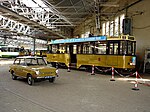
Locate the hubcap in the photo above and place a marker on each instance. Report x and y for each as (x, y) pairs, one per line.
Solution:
(29, 80)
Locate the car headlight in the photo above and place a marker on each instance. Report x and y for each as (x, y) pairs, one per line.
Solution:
(37, 72)
(57, 71)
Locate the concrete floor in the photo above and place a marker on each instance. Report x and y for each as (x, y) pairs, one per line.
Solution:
(75, 91)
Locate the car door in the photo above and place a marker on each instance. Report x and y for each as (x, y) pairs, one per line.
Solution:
(16, 66)
(22, 67)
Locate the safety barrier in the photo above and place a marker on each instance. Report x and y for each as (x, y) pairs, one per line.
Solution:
(57, 69)
(103, 71)
(136, 74)
(112, 76)
(93, 70)
(112, 69)
(68, 70)
(57, 72)
(136, 83)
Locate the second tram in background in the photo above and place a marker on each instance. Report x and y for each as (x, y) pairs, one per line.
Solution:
(100, 51)
(9, 51)
(38, 52)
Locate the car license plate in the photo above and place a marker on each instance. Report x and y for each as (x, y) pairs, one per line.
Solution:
(47, 77)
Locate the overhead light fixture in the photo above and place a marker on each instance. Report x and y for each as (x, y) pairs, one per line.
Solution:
(51, 27)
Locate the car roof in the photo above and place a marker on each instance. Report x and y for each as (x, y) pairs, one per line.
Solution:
(26, 57)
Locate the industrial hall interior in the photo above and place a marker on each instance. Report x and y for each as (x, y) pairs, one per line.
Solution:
(95, 54)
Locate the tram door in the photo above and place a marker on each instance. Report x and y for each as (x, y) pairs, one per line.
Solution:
(113, 51)
(72, 49)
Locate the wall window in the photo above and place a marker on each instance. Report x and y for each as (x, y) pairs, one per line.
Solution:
(121, 22)
(104, 29)
(107, 28)
(111, 28)
(82, 35)
(116, 26)
(87, 34)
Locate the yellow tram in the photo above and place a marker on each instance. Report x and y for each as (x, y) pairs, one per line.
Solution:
(99, 51)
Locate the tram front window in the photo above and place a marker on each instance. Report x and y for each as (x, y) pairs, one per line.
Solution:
(127, 48)
(131, 48)
(123, 47)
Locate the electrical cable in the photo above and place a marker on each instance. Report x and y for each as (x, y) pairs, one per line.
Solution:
(142, 27)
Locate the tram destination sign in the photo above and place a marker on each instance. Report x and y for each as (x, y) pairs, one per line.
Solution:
(76, 40)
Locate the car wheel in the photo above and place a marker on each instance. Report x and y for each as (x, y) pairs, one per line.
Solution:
(14, 77)
(51, 80)
(30, 80)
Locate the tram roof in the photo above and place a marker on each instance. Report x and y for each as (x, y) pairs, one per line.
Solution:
(75, 40)
(92, 39)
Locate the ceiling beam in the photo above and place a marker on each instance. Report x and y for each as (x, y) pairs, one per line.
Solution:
(15, 15)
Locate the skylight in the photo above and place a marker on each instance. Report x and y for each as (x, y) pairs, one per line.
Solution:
(37, 5)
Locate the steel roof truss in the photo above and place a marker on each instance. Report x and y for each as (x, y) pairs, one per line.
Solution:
(14, 26)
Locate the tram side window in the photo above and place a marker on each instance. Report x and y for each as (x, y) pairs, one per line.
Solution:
(62, 49)
(49, 48)
(86, 49)
(4, 49)
(54, 49)
(116, 48)
(10, 50)
(67, 49)
(113, 47)
(16, 49)
(74, 49)
(79, 49)
(100, 48)
(90, 49)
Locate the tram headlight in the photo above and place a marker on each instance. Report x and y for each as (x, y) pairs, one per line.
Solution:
(133, 61)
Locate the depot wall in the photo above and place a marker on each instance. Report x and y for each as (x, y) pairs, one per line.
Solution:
(88, 25)
(140, 26)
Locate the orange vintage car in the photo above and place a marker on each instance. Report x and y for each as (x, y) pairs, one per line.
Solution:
(32, 68)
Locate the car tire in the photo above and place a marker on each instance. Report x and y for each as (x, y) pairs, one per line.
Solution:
(14, 77)
(30, 80)
(51, 80)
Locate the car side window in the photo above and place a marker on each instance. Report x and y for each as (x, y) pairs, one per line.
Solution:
(28, 61)
(41, 62)
(34, 61)
(17, 62)
(31, 61)
(22, 61)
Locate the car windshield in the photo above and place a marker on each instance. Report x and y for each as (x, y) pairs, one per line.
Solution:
(35, 61)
